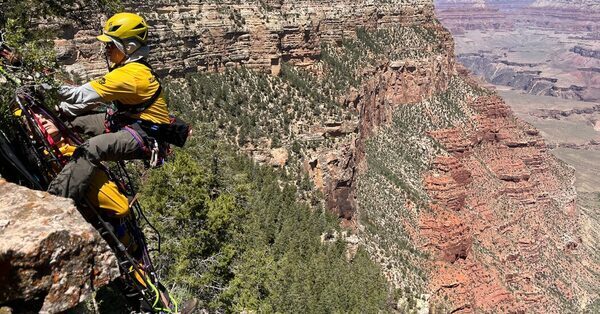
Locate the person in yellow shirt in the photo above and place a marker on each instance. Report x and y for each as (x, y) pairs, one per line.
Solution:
(131, 131)
(139, 127)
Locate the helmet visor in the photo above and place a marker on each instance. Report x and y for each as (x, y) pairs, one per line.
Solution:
(104, 38)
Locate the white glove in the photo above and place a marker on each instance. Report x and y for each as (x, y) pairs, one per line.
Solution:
(73, 110)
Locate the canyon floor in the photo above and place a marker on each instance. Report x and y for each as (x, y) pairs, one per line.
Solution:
(541, 62)
(571, 127)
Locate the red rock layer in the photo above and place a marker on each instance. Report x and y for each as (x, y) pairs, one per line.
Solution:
(461, 19)
(503, 226)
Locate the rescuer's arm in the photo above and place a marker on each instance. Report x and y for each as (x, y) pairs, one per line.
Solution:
(113, 86)
(78, 100)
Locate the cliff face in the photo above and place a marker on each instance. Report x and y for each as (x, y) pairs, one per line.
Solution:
(512, 238)
(192, 36)
(457, 177)
(459, 201)
(51, 258)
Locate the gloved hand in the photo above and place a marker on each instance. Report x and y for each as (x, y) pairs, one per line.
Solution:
(46, 86)
(42, 88)
(58, 110)
(64, 111)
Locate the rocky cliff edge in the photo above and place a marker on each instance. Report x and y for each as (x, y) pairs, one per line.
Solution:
(50, 257)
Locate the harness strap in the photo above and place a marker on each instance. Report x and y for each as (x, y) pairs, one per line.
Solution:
(138, 138)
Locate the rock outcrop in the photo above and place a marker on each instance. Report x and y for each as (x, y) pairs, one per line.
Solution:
(51, 259)
(586, 52)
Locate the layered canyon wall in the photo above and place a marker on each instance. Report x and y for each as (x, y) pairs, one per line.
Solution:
(582, 5)
(461, 3)
(561, 15)
(458, 177)
(190, 36)
(542, 48)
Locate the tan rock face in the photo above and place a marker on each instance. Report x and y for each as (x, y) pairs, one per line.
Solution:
(333, 172)
(279, 157)
(406, 81)
(190, 36)
(51, 258)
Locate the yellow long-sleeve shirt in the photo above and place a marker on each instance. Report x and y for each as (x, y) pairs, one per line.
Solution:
(132, 84)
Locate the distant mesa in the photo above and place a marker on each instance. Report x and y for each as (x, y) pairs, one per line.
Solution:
(441, 4)
(586, 52)
(567, 4)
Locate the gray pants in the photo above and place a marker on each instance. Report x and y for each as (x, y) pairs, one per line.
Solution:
(74, 179)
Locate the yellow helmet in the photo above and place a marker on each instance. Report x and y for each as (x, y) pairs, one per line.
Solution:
(125, 26)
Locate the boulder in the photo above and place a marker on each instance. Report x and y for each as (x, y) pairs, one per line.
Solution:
(51, 259)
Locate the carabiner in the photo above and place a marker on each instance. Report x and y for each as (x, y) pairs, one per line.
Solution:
(154, 159)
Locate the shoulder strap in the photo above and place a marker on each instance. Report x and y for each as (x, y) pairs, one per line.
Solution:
(137, 108)
(145, 63)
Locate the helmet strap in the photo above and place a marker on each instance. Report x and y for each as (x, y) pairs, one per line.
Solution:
(107, 62)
